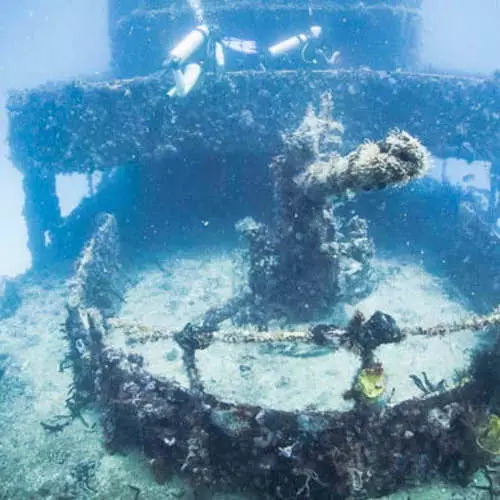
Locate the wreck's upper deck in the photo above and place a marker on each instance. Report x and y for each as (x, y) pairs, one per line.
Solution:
(85, 126)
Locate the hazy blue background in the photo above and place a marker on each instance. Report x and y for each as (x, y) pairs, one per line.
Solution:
(41, 40)
(44, 40)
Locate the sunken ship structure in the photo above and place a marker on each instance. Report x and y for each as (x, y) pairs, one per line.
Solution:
(362, 127)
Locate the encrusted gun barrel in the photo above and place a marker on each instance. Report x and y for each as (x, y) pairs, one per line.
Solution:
(373, 165)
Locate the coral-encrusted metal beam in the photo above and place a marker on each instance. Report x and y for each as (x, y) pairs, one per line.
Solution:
(85, 126)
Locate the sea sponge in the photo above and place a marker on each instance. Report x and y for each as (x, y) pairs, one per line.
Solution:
(488, 435)
(371, 383)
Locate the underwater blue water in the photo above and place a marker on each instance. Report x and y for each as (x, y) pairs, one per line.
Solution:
(176, 210)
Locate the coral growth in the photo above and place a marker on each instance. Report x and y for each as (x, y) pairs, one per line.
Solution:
(488, 435)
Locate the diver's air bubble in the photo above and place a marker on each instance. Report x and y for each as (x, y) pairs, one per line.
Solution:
(198, 10)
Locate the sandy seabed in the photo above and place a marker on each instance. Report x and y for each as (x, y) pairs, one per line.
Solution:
(73, 464)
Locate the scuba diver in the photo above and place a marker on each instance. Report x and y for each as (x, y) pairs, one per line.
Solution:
(210, 46)
(310, 46)
(187, 74)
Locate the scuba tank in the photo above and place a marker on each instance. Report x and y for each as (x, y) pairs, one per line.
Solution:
(188, 46)
(295, 42)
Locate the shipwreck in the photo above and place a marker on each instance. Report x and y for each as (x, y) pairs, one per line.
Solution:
(313, 137)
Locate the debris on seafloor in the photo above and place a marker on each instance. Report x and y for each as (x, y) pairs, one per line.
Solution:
(10, 298)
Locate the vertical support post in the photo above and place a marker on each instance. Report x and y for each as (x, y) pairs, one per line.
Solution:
(41, 212)
(494, 201)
